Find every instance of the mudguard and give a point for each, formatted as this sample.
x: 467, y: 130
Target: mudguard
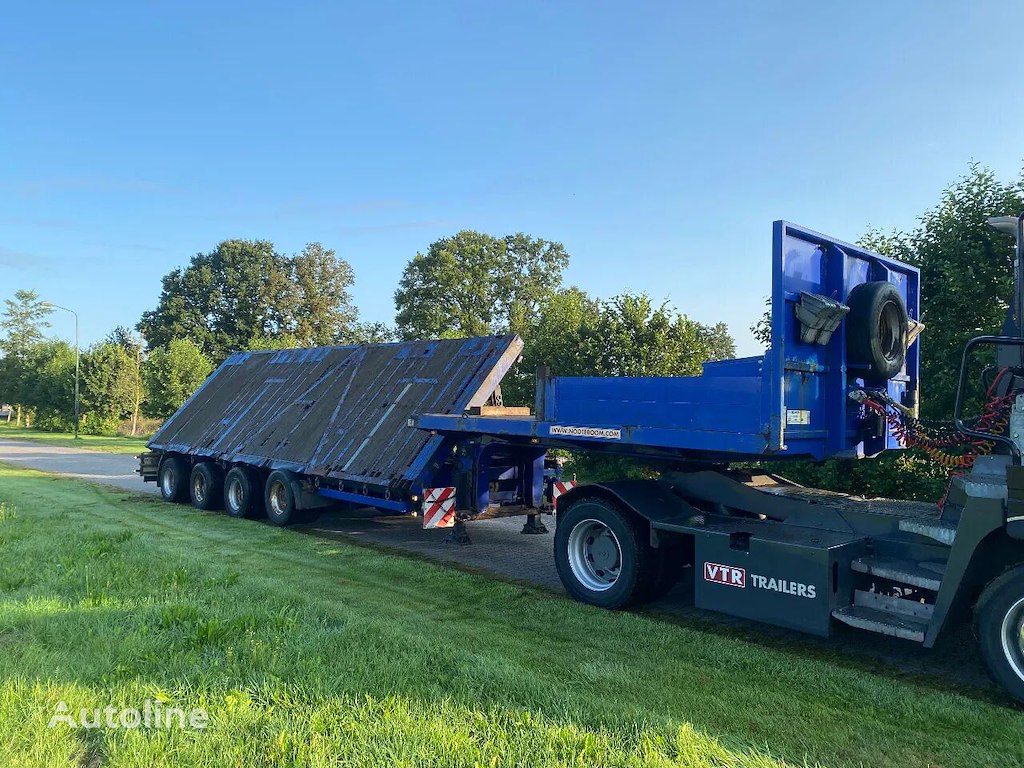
x: 650, y: 499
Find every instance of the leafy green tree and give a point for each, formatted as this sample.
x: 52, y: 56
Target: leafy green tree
x: 373, y: 333
x: 245, y: 290
x: 108, y: 387
x: 47, y: 387
x: 22, y: 324
x: 171, y: 374
x: 966, y: 276
x: 633, y: 337
x: 627, y: 335
x: 135, y: 351
x: 23, y: 321
x: 322, y: 312
x: 762, y: 329
x: 265, y: 343
x: 473, y: 284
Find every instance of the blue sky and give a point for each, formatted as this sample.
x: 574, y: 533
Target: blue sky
x: 657, y: 141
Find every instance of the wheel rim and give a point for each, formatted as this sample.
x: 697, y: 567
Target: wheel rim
x: 235, y: 494
x: 890, y: 331
x: 595, y: 556
x: 168, y: 482
x: 199, y: 487
x: 1013, y: 637
x: 278, y: 499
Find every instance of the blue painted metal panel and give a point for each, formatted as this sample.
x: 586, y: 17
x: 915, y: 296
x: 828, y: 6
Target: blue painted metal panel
x: 792, y: 401
x: 369, y: 501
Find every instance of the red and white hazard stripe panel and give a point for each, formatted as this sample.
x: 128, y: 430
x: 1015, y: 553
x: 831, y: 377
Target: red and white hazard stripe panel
x: 438, y: 507
x: 558, y: 487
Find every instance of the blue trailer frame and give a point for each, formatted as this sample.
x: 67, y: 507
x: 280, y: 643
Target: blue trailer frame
x: 791, y: 402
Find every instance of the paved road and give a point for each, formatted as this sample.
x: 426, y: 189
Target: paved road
x: 499, y: 548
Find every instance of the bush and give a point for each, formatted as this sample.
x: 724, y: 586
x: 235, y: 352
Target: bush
x: 53, y: 421
x: 893, y: 475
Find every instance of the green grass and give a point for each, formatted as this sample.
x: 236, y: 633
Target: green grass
x: 308, y: 651
x: 117, y: 444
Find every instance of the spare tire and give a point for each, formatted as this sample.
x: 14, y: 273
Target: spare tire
x: 876, y: 328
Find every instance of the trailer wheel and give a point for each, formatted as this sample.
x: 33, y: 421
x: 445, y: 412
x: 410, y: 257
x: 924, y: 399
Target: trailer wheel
x: 279, y: 499
x: 999, y: 625
x: 602, y: 554
x: 242, y: 492
x: 206, y: 486
x: 174, y: 479
x: 876, y: 328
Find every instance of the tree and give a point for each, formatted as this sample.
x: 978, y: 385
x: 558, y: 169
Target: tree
x: 473, y: 284
x: 323, y: 313
x: 22, y: 323
x: 556, y: 339
x: 134, y: 384
x: 762, y: 329
x: 627, y: 335
x: 171, y: 374
x: 966, y: 276
x: 245, y: 290
x: 633, y: 337
x: 109, y: 387
x: 373, y: 333
x: 47, y: 386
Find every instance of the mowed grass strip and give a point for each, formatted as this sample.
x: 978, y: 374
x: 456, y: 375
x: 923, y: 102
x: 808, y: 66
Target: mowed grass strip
x: 113, y: 444
x: 306, y: 651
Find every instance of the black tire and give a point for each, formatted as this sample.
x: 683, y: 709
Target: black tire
x: 173, y: 479
x: 243, y: 492
x: 206, y: 486
x: 279, y: 498
x: 876, y: 328
x: 610, y: 571
x: 999, y: 626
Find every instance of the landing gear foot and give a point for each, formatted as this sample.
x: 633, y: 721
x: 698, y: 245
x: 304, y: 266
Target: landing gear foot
x: 534, y: 525
x: 458, y: 535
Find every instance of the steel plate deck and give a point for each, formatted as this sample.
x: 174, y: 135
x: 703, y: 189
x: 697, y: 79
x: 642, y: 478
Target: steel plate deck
x: 337, y: 412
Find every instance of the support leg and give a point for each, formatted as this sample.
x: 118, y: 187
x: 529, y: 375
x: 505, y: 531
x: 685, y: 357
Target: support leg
x: 458, y: 534
x: 534, y: 524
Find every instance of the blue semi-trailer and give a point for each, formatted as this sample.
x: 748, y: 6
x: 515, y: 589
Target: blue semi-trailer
x: 419, y: 428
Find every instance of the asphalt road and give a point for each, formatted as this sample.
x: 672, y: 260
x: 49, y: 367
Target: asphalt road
x: 498, y: 548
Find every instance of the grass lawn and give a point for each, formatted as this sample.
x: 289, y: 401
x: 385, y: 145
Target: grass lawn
x: 307, y: 651
x: 130, y: 445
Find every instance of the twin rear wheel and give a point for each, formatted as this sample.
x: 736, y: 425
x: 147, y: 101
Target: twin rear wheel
x: 604, y: 556
x: 242, y: 492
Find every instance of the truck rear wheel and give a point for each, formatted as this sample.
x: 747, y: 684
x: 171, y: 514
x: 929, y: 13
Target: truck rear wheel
x: 174, y: 479
x: 279, y: 499
x: 602, y: 554
x: 243, y: 495
x: 999, y: 625
x: 206, y: 486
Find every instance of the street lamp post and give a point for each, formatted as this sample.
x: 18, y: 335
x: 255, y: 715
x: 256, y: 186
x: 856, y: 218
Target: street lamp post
x: 78, y: 355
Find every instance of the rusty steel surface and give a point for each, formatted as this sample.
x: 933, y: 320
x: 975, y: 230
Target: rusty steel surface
x: 337, y: 412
